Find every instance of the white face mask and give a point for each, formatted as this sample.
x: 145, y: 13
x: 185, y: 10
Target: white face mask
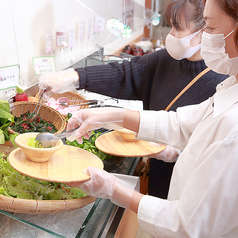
x: 214, y: 55
x: 179, y: 48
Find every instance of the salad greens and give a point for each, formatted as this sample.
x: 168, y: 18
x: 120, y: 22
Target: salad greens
x: 14, y: 184
x: 6, y: 119
x: 89, y: 145
x: 25, y: 123
x: 32, y: 142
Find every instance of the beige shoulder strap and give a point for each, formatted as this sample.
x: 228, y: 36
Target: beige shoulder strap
x: 187, y: 87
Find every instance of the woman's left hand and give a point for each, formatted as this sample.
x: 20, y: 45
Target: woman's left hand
x: 169, y: 154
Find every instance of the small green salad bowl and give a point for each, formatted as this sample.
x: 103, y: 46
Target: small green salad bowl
x: 26, y: 142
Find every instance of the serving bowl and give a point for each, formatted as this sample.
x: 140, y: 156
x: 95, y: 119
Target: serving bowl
x: 36, y: 154
x: 126, y: 135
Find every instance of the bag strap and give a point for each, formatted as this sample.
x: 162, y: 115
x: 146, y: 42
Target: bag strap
x: 187, y: 87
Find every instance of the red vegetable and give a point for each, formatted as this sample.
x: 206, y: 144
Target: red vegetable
x: 21, y: 95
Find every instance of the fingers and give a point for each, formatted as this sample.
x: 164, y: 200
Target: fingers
x: 77, y: 135
x: 90, y: 170
x: 87, y: 171
x: 74, y: 122
x: 45, y: 87
x: 160, y: 156
x: 47, y: 95
x: 167, y: 155
x: 41, y: 90
x: 74, y: 184
x: 83, y: 121
x: 154, y: 144
x: 47, y: 83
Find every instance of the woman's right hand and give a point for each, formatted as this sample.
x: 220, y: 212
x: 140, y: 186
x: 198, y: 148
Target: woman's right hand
x: 91, y: 119
x: 58, y: 82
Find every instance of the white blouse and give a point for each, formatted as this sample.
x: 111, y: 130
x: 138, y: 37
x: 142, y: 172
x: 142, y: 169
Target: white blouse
x: 203, y: 194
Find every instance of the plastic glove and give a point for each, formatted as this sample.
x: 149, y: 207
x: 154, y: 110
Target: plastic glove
x: 170, y: 154
x: 58, y: 82
x: 105, y: 185
x: 91, y: 119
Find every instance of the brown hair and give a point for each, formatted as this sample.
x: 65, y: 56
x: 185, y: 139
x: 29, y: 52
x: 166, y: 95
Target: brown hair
x: 192, y: 10
x: 230, y: 8
x: 168, y: 12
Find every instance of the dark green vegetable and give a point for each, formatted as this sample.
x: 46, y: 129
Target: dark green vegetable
x: 69, y: 116
x: 25, y: 123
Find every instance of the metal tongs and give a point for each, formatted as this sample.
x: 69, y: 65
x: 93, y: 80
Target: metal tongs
x: 48, y: 139
x: 36, y: 116
x: 84, y: 102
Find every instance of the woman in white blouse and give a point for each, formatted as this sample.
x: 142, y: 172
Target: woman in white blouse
x: 203, y: 195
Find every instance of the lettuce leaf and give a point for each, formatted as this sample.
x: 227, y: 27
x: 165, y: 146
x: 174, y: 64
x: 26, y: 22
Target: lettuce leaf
x: 12, y: 138
x: 89, y: 145
x: 14, y: 184
x: 4, y: 105
x: 2, y: 137
x: 6, y: 118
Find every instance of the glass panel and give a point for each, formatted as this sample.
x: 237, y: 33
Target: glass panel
x: 11, y: 226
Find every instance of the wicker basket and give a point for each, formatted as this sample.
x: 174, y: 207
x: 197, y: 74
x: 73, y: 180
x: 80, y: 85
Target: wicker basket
x: 29, y: 206
x: 46, y: 113
x: 70, y: 96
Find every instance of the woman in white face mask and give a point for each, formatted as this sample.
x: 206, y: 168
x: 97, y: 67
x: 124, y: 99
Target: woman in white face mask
x: 155, y: 79
x: 203, y: 195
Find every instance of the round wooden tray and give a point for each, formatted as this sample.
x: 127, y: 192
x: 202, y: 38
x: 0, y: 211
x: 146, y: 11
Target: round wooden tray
x: 112, y: 143
x: 29, y: 206
x: 65, y: 166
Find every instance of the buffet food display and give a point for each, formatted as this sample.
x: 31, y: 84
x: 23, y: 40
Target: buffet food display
x: 73, y: 99
x: 23, y: 194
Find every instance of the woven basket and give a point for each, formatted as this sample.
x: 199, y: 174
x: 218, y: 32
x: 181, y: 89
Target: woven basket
x: 70, y: 96
x: 46, y: 113
x: 29, y: 206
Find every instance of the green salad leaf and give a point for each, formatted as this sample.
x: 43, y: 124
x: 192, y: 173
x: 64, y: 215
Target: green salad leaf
x: 2, y: 137
x: 12, y: 138
x: 89, y: 145
x: 14, y: 184
x: 6, y: 118
x: 32, y: 142
x: 5, y: 115
x: 4, y: 105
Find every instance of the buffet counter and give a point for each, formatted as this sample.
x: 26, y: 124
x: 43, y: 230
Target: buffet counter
x: 98, y: 219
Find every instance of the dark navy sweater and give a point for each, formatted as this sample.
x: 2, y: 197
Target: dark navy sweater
x: 155, y: 79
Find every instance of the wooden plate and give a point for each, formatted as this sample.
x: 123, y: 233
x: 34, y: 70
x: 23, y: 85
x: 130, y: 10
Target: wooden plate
x: 112, y: 143
x: 66, y: 165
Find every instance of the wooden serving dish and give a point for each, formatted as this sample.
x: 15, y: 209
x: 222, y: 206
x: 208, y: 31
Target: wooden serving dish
x: 29, y: 206
x: 112, y: 143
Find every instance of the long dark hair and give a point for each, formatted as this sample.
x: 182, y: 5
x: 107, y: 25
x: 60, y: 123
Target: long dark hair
x: 192, y: 10
x: 230, y: 8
